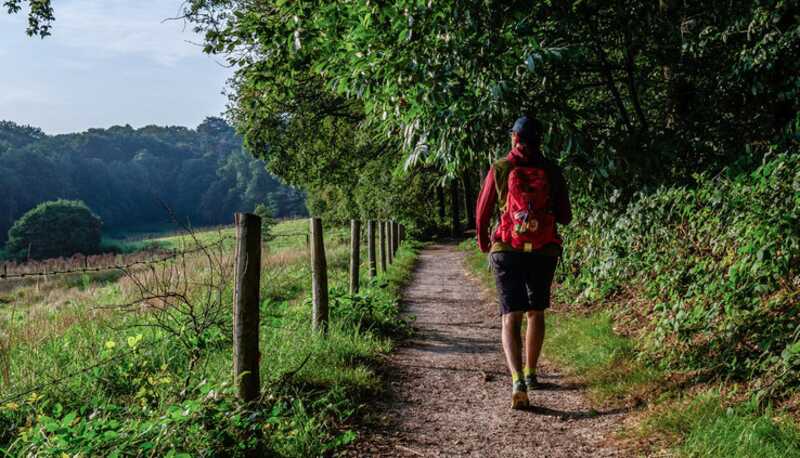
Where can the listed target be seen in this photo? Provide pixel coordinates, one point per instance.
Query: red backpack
(527, 221)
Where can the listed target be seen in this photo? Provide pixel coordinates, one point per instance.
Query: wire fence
(117, 356)
(276, 265)
(88, 260)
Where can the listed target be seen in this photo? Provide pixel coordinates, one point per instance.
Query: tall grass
(148, 402)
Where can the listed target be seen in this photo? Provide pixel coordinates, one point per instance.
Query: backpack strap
(502, 169)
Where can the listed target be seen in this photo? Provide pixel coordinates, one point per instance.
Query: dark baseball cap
(528, 129)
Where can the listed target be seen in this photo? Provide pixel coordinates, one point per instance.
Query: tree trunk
(630, 70)
(608, 77)
(469, 199)
(440, 195)
(455, 208)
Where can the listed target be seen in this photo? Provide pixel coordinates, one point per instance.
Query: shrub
(718, 267)
(54, 229)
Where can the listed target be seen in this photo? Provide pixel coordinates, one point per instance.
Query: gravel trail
(449, 392)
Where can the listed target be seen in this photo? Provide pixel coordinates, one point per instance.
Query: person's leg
(512, 347)
(512, 342)
(534, 337)
(510, 280)
(538, 284)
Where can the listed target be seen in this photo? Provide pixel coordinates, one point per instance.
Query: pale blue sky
(108, 62)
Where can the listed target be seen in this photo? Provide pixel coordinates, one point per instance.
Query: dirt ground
(450, 392)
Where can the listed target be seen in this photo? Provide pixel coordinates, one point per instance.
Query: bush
(54, 229)
(718, 267)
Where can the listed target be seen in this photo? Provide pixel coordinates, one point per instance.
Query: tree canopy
(633, 94)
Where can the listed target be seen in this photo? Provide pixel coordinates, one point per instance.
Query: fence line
(173, 255)
(247, 286)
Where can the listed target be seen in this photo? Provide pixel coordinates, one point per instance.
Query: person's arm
(563, 208)
(483, 213)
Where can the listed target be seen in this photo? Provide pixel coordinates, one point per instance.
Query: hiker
(531, 194)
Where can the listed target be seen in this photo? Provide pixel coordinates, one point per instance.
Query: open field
(98, 365)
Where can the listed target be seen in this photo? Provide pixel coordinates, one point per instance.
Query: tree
(53, 229)
(267, 221)
(40, 15)
(634, 94)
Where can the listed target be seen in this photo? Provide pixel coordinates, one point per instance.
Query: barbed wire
(173, 255)
(291, 234)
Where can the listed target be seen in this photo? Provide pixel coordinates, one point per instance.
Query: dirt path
(450, 391)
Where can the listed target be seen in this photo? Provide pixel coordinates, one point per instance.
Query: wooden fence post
(373, 268)
(396, 238)
(319, 278)
(390, 239)
(246, 301)
(355, 254)
(383, 245)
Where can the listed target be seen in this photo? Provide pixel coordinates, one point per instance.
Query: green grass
(148, 402)
(703, 426)
(605, 361)
(697, 426)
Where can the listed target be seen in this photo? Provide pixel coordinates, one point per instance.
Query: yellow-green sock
(527, 371)
(515, 376)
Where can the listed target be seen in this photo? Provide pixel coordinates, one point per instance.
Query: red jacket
(487, 200)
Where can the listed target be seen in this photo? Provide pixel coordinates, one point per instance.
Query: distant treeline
(128, 176)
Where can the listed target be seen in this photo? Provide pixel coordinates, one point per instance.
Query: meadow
(138, 363)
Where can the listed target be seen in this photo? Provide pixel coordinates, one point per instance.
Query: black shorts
(523, 280)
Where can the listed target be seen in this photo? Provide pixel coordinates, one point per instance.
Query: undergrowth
(713, 271)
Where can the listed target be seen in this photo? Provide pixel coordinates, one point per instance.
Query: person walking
(531, 194)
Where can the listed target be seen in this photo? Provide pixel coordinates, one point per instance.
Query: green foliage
(54, 229)
(128, 176)
(717, 265)
(708, 428)
(267, 221)
(634, 94)
(40, 15)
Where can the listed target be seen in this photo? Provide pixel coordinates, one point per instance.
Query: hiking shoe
(519, 395)
(531, 382)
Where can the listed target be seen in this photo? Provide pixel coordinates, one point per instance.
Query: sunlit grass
(55, 328)
(593, 352)
(708, 425)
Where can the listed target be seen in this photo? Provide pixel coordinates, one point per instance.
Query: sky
(108, 62)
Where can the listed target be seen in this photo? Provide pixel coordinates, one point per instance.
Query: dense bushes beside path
(713, 272)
